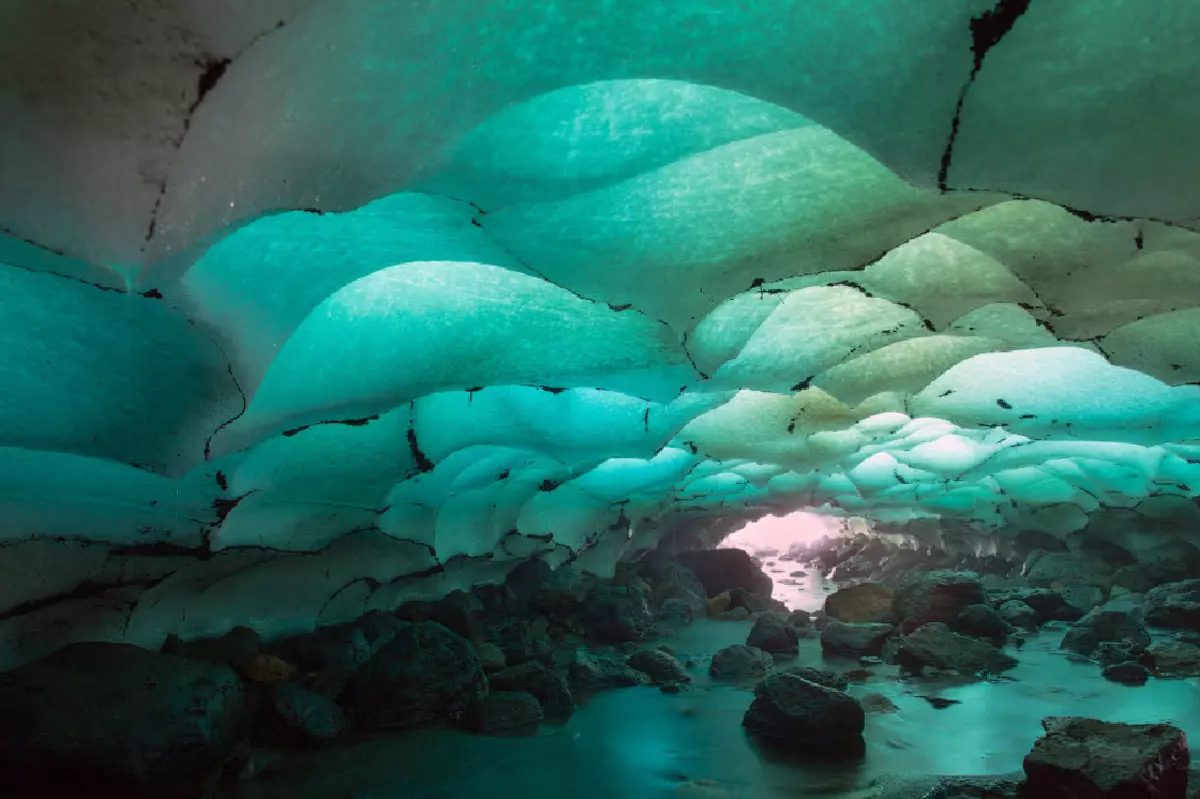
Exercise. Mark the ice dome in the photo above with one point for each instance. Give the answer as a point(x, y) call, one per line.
point(317, 308)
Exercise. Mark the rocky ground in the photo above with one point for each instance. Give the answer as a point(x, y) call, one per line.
point(201, 716)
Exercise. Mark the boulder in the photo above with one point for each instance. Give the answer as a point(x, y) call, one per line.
point(118, 720)
point(460, 612)
point(1109, 653)
point(676, 612)
point(1083, 597)
point(614, 614)
point(506, 710)
point(755, 603)
point(878, 704)
point(303, 716)
point(853, 640)
point(982, 621)
point(1135, 578)
point(1170, 562)
point(236, 649)
point(935, 596)
point(1175, 659)
point(1019, 614)
point(739, 662)
point(1057, 569)
point(774, 633)
point(1089, 759)
point(491, 657)
point(1048, 604)
point(1174, 605)
point(659, 666)
point(723, 569)
point(670, 580)
point(591, 672)
point(934, 646)
point(1100, 626)
point(858, 603)
point(550, 687)
point(521, 641)
point(810, 715)
point(426, 672)
point(830, 679)
point(1129, 673)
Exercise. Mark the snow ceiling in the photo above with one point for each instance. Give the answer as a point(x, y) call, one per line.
point(315, 307)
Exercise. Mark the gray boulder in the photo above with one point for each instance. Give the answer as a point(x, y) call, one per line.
point(858, 603)
point(1056, 569)
point(118, 720)
point(1019, 614)
point(774, 633)
point(659, 666)
point(550, 687)
point(739, 662)
point(724, 569)
point(810, 715)
point(303, 716)
point(982, 621)
point(1175, 659)
point(830, 679)
point(1128, 673)
point(935, 596)
point(934, 646)
point(1101, 626)
point(1048, 604)
point(426, 672)
point(506, 710)
point(614, 614)
point(1174, 605)
point(1089, 759)
point(591, 672)
point(855, 640)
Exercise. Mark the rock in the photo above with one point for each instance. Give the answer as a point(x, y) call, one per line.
point(755, 603)
point(1019, 614)
point(1175, 659)
point(1135, 578)
point(562, 594)
point(935, 596)
point(671, 580)
point(1112, 652)
point(426, 672)
point(234, 649)
point(830, 679)
point(1083, 597)
point(506, 710)
point(878, 704)
point(858, 675)
point(521, 642)
point(800, 619)
point(268, 669)
point(614, 614)
point(719, 604)
point(1048, 604)
point(982, 621)
point(1171, 562)
point(118, 720)
point(773, 633)
point(739, 662)
point(491, 657)
point(852, 640)
point(659, 666)
point(1104, 625)
point(676, 612)
point(306, 716)
point(1125, 602)
point(550, 688)
point(736, 614)
point(1174, 605)
point(1129, 673)
point(461, 613)
point(596, 673)
point(798, 574)
point(936, 647)
point(810, 715)
point(1054, 569)
point(862, 602)
point(1089, 759)
point(723, 569)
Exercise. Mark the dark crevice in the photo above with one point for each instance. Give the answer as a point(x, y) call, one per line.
point(414, 448)
point(987, 30)
point(362, 422)
point(88, 589)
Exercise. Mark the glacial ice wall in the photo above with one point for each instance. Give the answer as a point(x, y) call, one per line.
point(313, 308)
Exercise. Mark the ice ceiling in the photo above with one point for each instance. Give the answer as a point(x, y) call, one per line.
point(314, 307)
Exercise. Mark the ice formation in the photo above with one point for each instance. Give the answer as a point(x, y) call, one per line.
point(315, 308)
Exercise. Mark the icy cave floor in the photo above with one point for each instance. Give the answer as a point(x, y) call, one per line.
point(642, 743)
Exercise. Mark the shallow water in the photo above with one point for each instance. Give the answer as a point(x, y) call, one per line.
point(639, 742)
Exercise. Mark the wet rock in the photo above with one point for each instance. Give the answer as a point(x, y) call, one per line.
point(739, 662)
point(1054, 569)
point(1170, 562)
point(1135, 578)
point(591, 672)
point(755, 603)
point(1109, 653)
point(1174, 605)
point(798, 574)
point(671, 580)
point(1104, 625)
point(863, 602)
point(336, 649)
point(426, 672)
point(800, 619)
point(774, 633)
point(830, 679)
point(506, 710)
point(1175, 659)
point(676, 612)
point(659, 666)
point(1125, 602)
point(1089, 759)
point(724, 569)
point(982, 621)
point(520, 642)
point(934, 646)
point(935, 596)
point(491, 657)
point(305, 716)
point(1128, 673)
point(813, 716)
point(1049, 605)
point(267, 669)
point(461, 613)
point(720, 603)
point(550, 687)
point(878, 704)
point(614, 614)
point(562, 594)
point(1084, 597)
point(736, 614)
point(118, 720)
point(1005, 786)
point(1019, 614)
point(853, 640)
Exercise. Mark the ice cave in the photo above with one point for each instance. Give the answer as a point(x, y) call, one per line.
point(661, 399)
